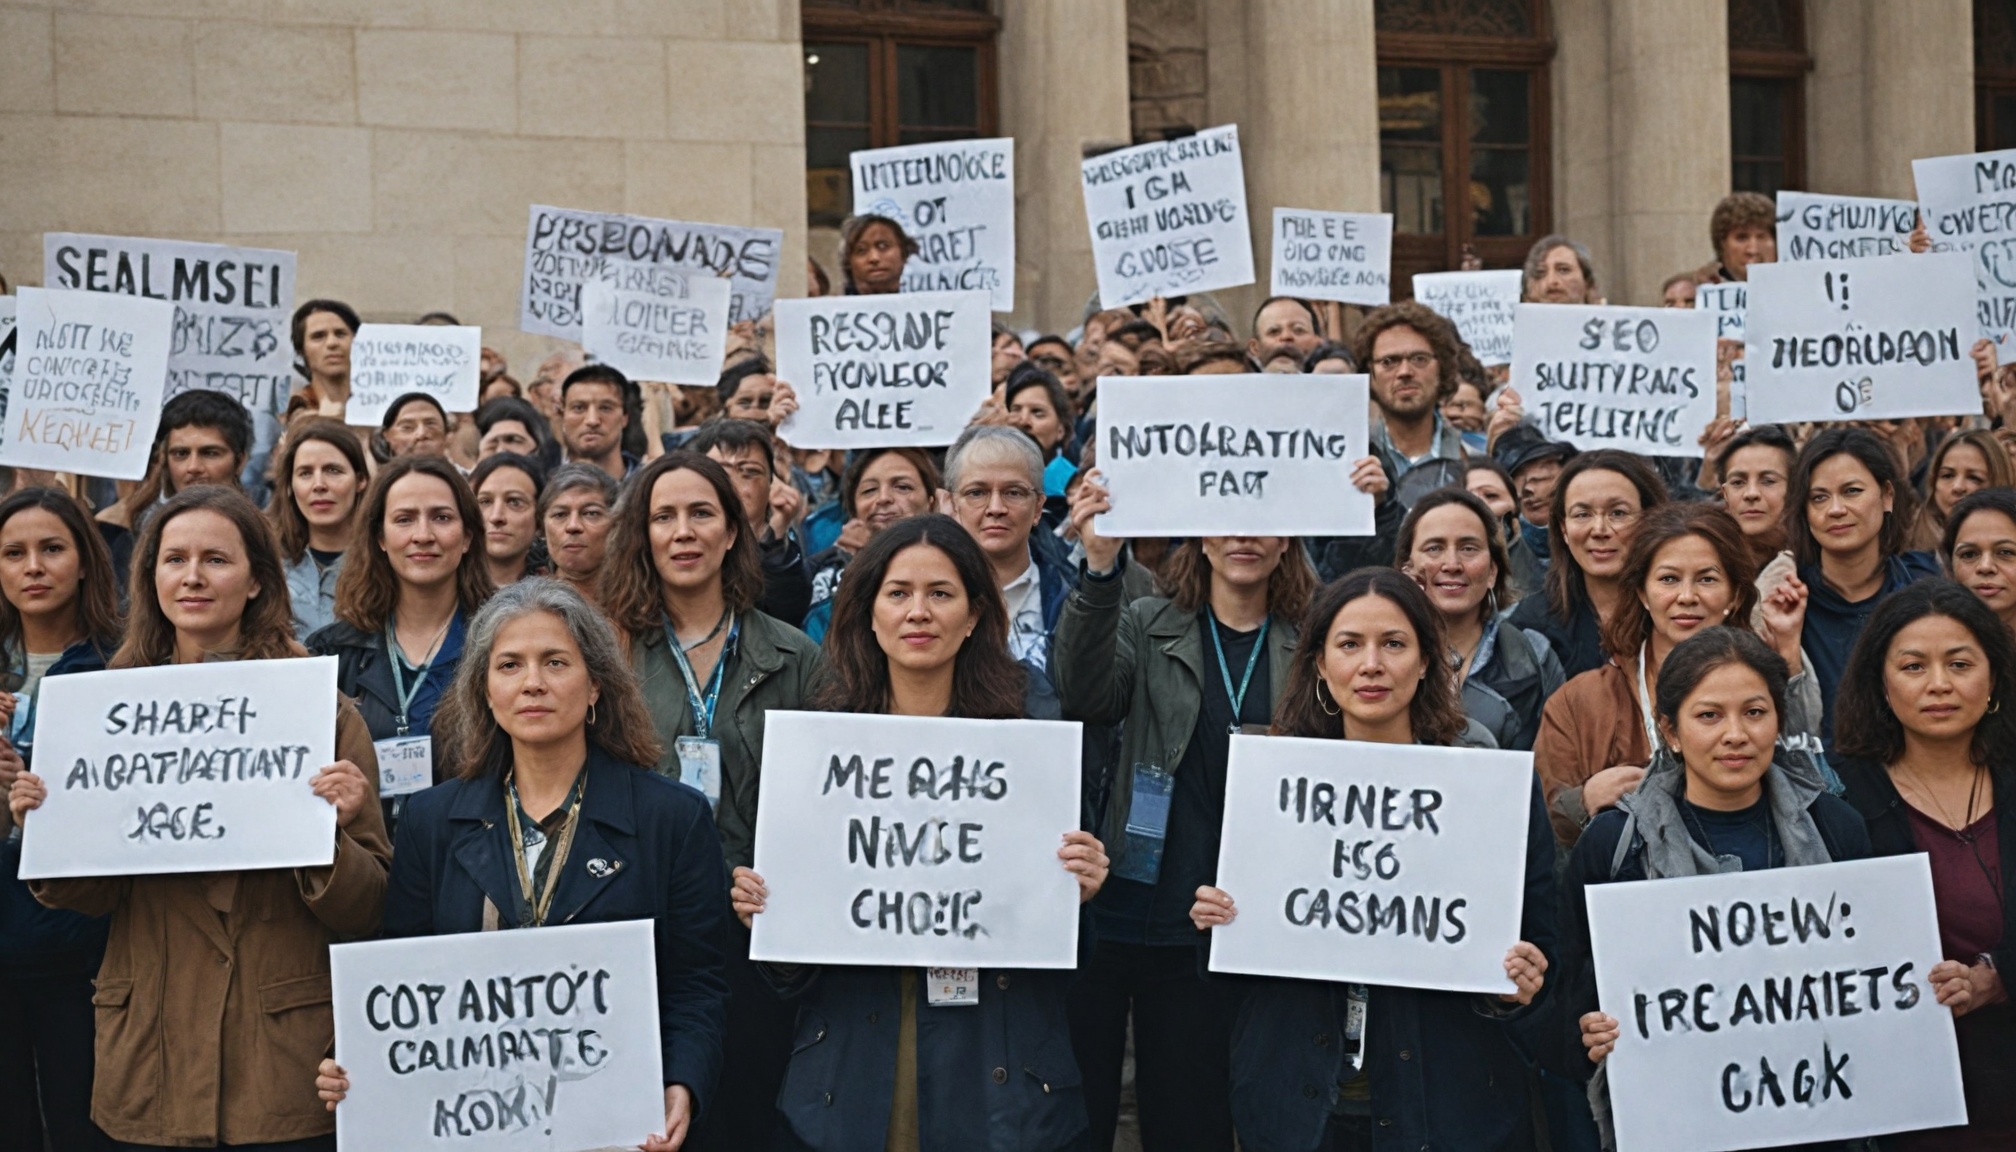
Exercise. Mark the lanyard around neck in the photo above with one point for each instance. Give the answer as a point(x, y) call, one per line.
point(703, 706)
point(406, 695)
point(1238, 697)
point(539, 898)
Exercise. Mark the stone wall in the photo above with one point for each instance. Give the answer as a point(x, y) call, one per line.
point(396, 144)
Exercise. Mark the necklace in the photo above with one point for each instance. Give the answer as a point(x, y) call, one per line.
point(709, 638)
point(1919, 787)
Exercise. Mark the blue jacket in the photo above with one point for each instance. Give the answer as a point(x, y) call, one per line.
point(311, 589)
point(653, 844)
point(30, 932)
point(997, 1077)
point(1447, 1069)
point(1834, 624)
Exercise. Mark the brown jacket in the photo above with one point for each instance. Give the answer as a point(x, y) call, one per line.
point(213, 1002)
point(1591, 724)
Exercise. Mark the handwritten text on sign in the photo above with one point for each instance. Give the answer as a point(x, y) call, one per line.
point(1815, 226)
point(1169, 218)
point(544, 1040)
point(917, 841)
point(1640, 379)
point(1343, 256)
point(85, 395)
point(1480, 304)
point(388, 361)
point(1880, 338)
point(566, 248)
point(1244, 455)
point(956, 199)
point(1381, 863)
point(1970, 206)
point(674, 329)
point(191, 768)
point(1779, 1007)
point(871, 371)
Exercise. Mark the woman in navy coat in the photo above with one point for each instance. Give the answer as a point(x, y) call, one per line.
point(548, 735)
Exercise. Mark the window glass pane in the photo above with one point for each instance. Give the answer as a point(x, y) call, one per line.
point(2002, 121)
point(1498, 107)
point(836, 83)
point(1757, 134)
point(1410, 148)
point(836, 123)
point(1501, 199)
point(938, 87)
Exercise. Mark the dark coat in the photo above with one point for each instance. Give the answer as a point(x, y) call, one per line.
point(1447, 1069)
point(1987, 1035)
point(787, 583)
point(364, 673)
point(453, 863)
point(30, 934)
point(1834, 624)
point(1577, 641)
point(997, 1077)
point(1524, 671)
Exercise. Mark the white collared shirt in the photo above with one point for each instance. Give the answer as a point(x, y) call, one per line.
point(1024, 597)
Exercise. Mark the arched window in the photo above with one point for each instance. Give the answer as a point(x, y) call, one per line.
point(1994, 74)
point(1463, 130)
point(884, 72)
point(1767, 95)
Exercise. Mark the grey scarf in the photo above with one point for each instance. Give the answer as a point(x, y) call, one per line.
point(1653, 823)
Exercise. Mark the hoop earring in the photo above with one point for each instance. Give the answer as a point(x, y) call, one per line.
point(591, 714)
point(1327, 710)
point(1994, 706)
point(1491, 601)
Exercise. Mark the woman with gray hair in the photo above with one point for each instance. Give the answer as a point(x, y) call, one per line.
point(576, 509)
point(554, 817)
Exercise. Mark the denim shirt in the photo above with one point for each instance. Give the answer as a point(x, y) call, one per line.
point(312, 589)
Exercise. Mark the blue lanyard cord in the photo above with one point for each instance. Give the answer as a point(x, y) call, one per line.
point(703, 710)
point(1238, 698)
point(406, 695)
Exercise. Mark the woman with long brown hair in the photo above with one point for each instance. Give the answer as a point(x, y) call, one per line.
point(322, 472)
point(919, 629)
point(1178, 674)
point(681, 585)
point(1438, 1069)
point(881, 486)
point(412, 579)
point(213, 1002)
point(1964, 463)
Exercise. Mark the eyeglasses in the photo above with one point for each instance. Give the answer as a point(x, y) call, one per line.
point(1619, 517)
point(976, 497)
point(1387, 365)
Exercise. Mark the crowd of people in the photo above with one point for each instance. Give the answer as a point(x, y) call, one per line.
point(586, 596)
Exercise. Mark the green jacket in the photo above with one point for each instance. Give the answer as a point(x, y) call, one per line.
point(773, 667)
point(1141, 666)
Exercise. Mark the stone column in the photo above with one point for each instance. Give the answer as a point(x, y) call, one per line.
point(1890, 84)
point(1669, 139)
point(1063, 65)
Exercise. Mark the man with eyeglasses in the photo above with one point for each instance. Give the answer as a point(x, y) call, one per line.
point(1055, 353)
point(1410, 353)
point(994, 487)
point(745, 449)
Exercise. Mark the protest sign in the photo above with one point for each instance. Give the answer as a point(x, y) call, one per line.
point(1970, 206)
point(566, 248)
point(1727, 303)
point(1393, 864)
point(541, 1040)
point(1169, 218)
point(1640, 379)
point(1879, 338)
point(1342, 256)
point(1266, 455)
point(85, 392)
point(389, 360)
point(956, 199)
point(917, 841)
point(1479, 304)
point(6, 352)
point(233, 311)
point(1813, 226)
point(184, 768)
point(874, 371)
point(1782, 1007)
point(675, 331)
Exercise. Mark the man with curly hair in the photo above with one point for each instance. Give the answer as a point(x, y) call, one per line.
point(1410, 353)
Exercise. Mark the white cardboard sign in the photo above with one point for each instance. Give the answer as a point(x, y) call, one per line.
point(1783, 1007)
point(565, 248)
point(1252, 455)
point(1394, 864)
point(6, 352)
point(674, 330)
point(1479, 304)
point(1815, 226)
point(233, 312)
point(917, 841)
point(389, 360)
point(874, 371)
point(956, 199)
point(1728, 303)
point(1640, 379)
point(1342, 256)
point(539, 1040)
point(1169, 218)
point(183, 768)
point(85, 394)
point(1879, 338)
point(1970, 206)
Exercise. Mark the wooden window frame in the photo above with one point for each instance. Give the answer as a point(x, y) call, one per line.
point(1791, 67)
point(887, 25)
point(1992, 78)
